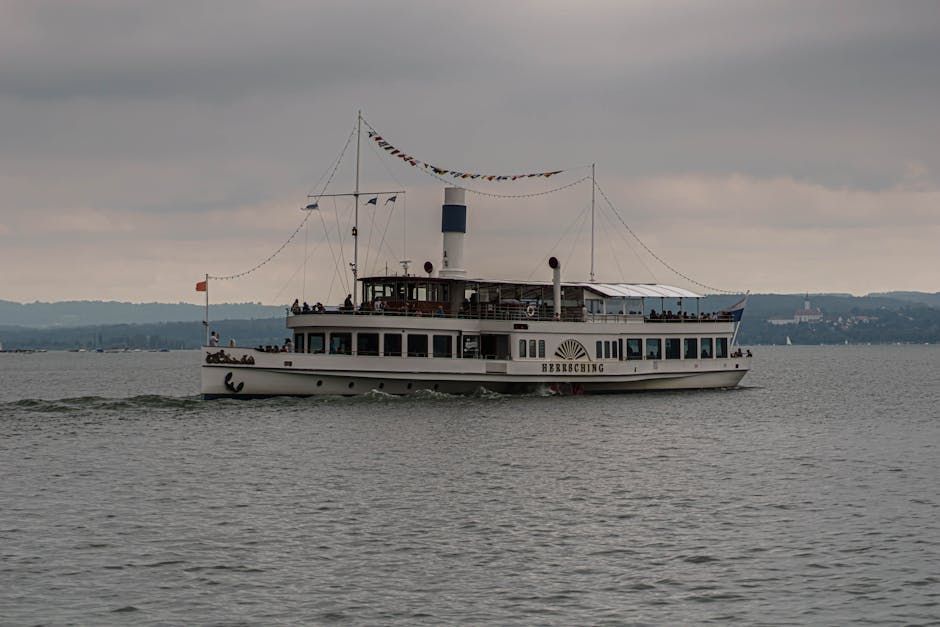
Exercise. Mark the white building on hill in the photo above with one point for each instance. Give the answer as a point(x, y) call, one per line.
point(806, 314)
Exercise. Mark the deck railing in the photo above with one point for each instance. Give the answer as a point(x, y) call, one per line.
point(536, 314)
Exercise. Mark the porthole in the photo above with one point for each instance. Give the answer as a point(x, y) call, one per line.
point(409, 385)
point(436, 386)
point(319, 383)
point(351, 384)
point(382, 385)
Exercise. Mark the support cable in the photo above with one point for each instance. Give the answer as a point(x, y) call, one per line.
point(564, 234)
point(654, 255)
point(299, 226)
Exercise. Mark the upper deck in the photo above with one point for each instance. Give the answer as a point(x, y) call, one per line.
point(479, 299)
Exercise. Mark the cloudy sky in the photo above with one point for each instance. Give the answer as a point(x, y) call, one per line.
point(776, 147)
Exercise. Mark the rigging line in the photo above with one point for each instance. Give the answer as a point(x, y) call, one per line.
point(296, 270)
point(299, 226)
point(654, 255)
point(388, 247)
point(400, 186)
point(613, 250)
point(326, 232)
point(365, 263)
point(352, 133)
point(558, 241)
point(339, 233)
point(635, 253)
point(303, 286)
point(574, 240)
point(388, 221)
point(349, 225)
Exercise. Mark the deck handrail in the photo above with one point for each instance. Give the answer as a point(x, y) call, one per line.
point(498, 312)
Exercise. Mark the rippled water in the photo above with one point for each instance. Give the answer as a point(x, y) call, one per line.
point(808, 497)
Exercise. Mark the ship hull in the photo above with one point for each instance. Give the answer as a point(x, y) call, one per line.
point(246, 382)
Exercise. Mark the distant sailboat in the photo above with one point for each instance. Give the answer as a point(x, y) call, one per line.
point(789, 343)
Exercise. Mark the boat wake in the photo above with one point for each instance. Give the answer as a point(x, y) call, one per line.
point(81, 404)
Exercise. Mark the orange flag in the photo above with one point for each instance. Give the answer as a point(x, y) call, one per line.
point(201, 286)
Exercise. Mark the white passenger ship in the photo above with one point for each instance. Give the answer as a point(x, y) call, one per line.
point(454, 334)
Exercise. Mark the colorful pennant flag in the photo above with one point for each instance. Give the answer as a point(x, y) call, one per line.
point(414, 162)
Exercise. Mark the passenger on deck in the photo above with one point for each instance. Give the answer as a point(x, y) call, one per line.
point(288, 346)
point(439, 312)
point(347, 304)
point(295, 308)
point(214, 339)
point(319, 308)
point(305, 308)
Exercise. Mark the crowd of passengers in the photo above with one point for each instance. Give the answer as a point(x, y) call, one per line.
point(379, 305)
point(286, 347)
point(685, 315)
point(347, 306)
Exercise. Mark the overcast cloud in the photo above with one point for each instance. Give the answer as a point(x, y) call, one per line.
point(766, 146)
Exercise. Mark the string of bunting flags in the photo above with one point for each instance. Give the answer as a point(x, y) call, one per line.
point(457, 174)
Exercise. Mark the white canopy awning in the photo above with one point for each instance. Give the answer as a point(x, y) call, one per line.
point(637, 290)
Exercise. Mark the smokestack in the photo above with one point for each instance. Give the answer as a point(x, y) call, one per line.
point(454, 228)
point(555, 265)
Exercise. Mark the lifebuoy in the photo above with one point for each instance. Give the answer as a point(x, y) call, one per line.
point(530, 311)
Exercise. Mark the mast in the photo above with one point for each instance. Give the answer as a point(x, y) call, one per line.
point(355, 231)
point(207, 309)
point(592, 222)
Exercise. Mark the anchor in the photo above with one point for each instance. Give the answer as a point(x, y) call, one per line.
point(232, 387)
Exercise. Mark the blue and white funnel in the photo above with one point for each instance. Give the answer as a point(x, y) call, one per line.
point(454, 228)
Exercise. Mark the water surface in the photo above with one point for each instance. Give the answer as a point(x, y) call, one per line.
point(807, 497)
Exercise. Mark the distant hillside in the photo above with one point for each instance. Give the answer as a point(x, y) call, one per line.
point(924, 298)
point(873, 318)
point(173, 335)
point(84, 313)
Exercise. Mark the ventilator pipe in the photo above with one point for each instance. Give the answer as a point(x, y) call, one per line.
point(555, 265)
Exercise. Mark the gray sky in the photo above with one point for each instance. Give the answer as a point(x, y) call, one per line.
point(767, 146)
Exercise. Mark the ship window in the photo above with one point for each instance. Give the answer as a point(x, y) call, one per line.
point(690, 346)
point(367, 343)
point(443, 346)
point(634, 348)
point(706, 348)
point(521, 349)
point(721, 348)
point(392, 344)
point(673, 347)
point(654, 348)
point(471, 346)
point(340, 343)
point(618, 349)
point(495, 346)
point(541, 349)
point(532, 349)
point(298, 342)
point(606, 350)
point(316, 343)
point(417, 345)
point(599, 349)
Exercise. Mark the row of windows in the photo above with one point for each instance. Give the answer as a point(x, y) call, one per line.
point(536, 349)
point(656, 348)
point(341, 343)
point(422, 345)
